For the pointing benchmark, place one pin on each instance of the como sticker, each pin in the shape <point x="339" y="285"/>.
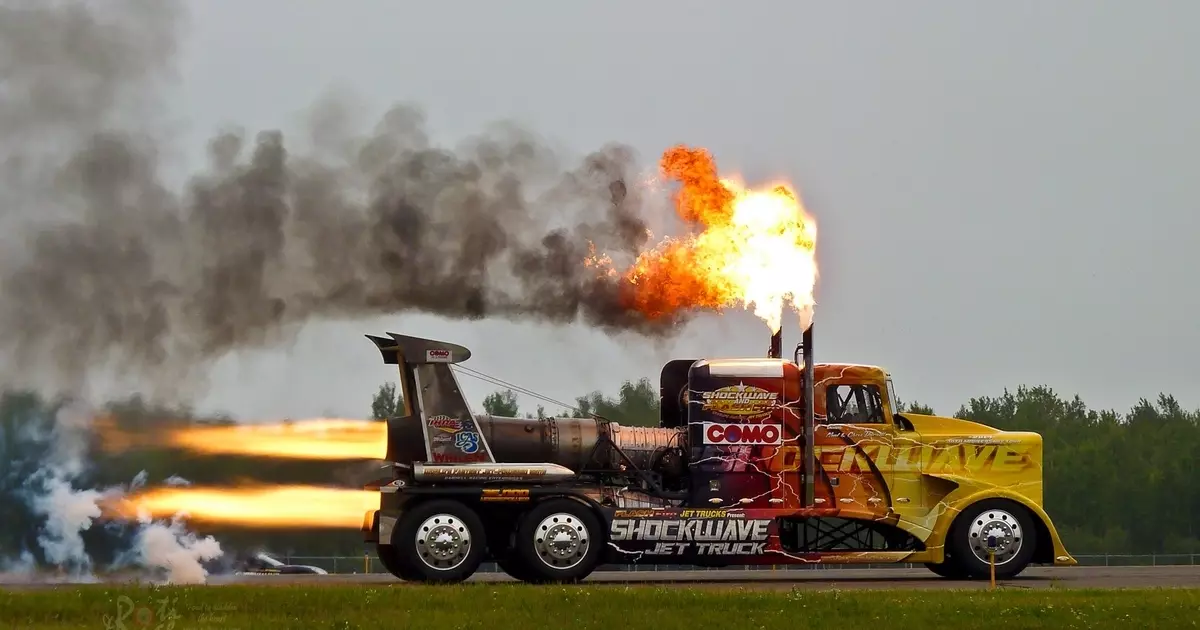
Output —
<point x="439" y="355"/>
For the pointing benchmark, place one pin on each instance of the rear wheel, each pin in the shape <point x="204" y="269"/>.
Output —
<point x="1007" y="524"/>
<point x="559" y="540"/>
<point x="438" y="541"/>
<point x="501" y="535"/>
<point x="389" y="558"/>
<point x="515" y="568"/>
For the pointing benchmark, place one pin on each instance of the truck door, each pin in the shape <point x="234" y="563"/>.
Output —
<point x="854" y="444"/>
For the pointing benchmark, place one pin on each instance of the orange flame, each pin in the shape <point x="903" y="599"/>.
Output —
<point x="749" y="248"/>
<point x="315" y="439"/>
<point x="325" y="439"/>
<point x="287" y="506"/>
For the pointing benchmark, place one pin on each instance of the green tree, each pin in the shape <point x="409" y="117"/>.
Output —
<point x="502" y="403"/>
<point x="387" y="402"/>
<point x="636" y="404"/>
<point x="915" y="408"/>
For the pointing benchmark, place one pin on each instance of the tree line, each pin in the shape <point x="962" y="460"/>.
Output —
<point x="1116" y="482"/>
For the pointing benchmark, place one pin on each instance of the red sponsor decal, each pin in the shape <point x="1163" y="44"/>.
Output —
<point x="743" y="434"/>
<point x="437" y="356"/>
<point x="446" y="423"/>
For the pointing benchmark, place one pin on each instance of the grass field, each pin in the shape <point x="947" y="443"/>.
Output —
<point x="524" y="607"/>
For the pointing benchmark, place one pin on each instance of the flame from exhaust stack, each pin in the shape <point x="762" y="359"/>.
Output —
<point x="748" y="248"/>
<point x="289" y="506"/>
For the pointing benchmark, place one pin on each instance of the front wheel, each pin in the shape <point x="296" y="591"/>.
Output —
<point x="1007" y="525"/>
<point x="559" y="540"/>
<point x="948" y="569"/>
<point x="438" y="541"/>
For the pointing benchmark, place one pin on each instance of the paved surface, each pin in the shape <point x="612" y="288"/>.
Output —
<point x="1035" y="577"/>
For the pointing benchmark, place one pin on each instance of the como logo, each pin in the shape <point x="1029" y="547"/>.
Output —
<point x="743" y="434"/>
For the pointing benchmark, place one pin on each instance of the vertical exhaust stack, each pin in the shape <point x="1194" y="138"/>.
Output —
<point x="810" y="456"/>
<point x="804" y="357"/>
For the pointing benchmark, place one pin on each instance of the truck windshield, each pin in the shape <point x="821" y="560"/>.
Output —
<point x="892" y="400"/>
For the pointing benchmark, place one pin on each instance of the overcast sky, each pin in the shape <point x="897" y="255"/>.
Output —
<point x="1005" y="192"/>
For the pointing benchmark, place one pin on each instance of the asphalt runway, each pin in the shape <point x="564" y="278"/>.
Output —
<point x="820" y="579"/>
<point x="1034" y="577"/>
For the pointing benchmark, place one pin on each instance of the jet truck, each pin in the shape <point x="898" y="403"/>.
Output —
<point x="754" y="461"/>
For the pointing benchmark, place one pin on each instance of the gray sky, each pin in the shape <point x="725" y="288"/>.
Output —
<point x="1003" y="190"/>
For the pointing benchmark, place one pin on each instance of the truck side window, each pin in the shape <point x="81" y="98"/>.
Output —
<point x="854" y="404"/>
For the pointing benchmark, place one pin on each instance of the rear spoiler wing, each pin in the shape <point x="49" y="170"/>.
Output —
<point x="433" y="399"/>
<point x="416" y="351"/>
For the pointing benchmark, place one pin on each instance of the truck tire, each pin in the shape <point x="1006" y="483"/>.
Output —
<point x="439" y="541"/>
<point x="501" y="534"/>
<point x="559" y="540"/>
<point x="1012" y="526"/>
<point x="516" y="569"/>
<point x="391" y="562"/>
<point x="948" y="569"/>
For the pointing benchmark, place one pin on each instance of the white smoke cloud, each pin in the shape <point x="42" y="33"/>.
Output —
<point x="166" y="550"/>
<point x="68" y="513"/>
<point x="170" y="548"/>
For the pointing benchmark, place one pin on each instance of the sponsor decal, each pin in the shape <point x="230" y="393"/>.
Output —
<point x="963" y="459"/>
<point x="743" y="434"/>
<point x="437" y="356"/>
<point x="710" y="514"/>
<point x="466" y="441"/>
<point x="639" y="513"/>
<point x="739" y="401"/>
<point x="982" y="440"/>
<point x="685" y="536"/>
<point x="482" y="473"/>
<point x="505" y="495"/>
<point x="447" y="424"/>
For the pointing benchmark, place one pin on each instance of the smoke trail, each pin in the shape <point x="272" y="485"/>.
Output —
<point x="50" y="504"/>
<point x="274" y="233"/>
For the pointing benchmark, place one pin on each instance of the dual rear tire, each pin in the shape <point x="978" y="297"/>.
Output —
<point x="559" y="540"/>
<point x="439" y="541"/>
<point x="444" y="541"/>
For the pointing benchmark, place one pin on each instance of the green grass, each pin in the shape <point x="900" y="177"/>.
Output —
<point x="524" y="607"/>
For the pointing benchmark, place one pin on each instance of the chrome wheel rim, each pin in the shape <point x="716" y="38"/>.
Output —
<point x="1004" y="530"/>
<point x="443" y="542"/>
<point x="561" y="540"/>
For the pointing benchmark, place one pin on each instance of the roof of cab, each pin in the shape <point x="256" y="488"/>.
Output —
<point x="766" y="367"/>
<point x="859" y="366"/>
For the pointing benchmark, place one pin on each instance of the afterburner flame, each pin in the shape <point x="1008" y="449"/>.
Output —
<point x="259" y="506"/>
<point x="325" y="439"/>
<point x="316" y="439"/>
<point x="748" y="248"/>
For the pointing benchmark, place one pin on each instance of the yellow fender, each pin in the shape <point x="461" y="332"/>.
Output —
<point x="942" y="527"/>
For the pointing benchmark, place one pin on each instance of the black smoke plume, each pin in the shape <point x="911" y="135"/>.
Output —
<point x="109" y="266"/>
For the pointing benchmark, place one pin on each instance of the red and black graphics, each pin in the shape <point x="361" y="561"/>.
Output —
<point x="690" y="536"/>
<point x="741" y="413"/>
